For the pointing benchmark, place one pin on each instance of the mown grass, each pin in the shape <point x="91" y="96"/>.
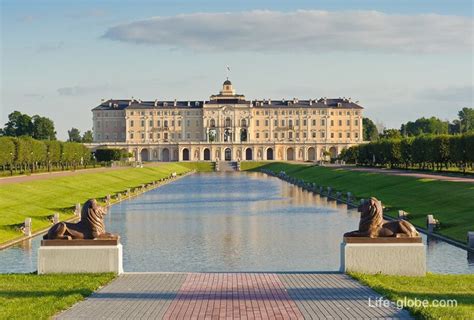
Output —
<point x="450" y="202"/>
<point x="32" y="296"/>
<point x="199" y="166"/>
<point x="42" y="198"/>
<point x="431" y="287"/>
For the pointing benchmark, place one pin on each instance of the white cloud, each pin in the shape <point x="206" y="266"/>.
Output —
<point x="84" y="90"/>
<point x="302" y="30"/>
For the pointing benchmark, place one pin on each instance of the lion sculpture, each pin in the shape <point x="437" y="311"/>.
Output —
<point x="91" y="225"/>
<point x="373" y="225"/>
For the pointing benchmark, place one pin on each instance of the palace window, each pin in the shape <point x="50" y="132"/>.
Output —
<point x="131" y="135"/>
<point x="143" y="113"/>
<point x="356" y="122"/>
<point x="340" y="122"/>
<point x="332" y="123"/>
<point x="172" y="123"/>
<point x="131" y="123"/>
<point x="257" y="123"/>
<point x="158" y="123"/>
<point x="290" y="122"/>
<point x="165" y="135"/>
<point x="150" y="135"/>
<point x="257" y="135"/>
<point x="290" y="135"/>
<point x="179" y="123"/>
<point x="143" y="136"/>
<point x="228" y="122"/>
<point x="266" y="123"/>
<point x="332" y="134"/>
<point x="165" y="123"/>
<point x="213" y="123"/>
<point x="132" y="113"/>
<point x="158" y="135"/>
<point x="243" y="123"/>
<point x="188" y="135"/>
<point x="275" y="123"/>
<point x="304" y="122"/>
<point x="340" y="135"/>
<point x="283" y="123"/>
<point x="297" y="135"/>
<point x="304" y="135"/>
<point x="297" y="122"/>
<point x="323" y="134"/>
<point x="356" y="135"/>
<point x="275" y="135"/>
<point x="266" y="135"/>
<point x="282" y="134"/>
<point x="151" y="123"/>
<point x="314" y="134"/>
<point x="323" y="123"/>
<point x="142" y="123"/>
<point x="188" y="123"/>
<point x="179" y="135"/>
<point x="348" y="122"/>
<point x="348" y="135"/>
<point x="340" y="113"/>
<point x="314" y="122"/>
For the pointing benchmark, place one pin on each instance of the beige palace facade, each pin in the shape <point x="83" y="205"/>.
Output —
<point x="228" y="127"/>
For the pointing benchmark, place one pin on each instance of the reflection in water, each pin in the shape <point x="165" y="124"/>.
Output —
<point x="233" y="222"/>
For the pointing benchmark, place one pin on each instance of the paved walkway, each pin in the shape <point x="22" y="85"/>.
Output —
<point x="232" y="296"/>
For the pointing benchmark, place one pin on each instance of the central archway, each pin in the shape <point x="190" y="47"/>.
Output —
<point x="311" y="154"/>
<point x="144" y="155"/>
<point x="165" y="155"/>
<point x="228" y="154"/>
<point x="248" y="154"/>
<point x="290" y="154"/>
<point x="185" y="154"/>
<point x="269" y="154"/>
<point x="207" y="154"/>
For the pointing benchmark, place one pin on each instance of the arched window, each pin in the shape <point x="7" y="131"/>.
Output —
<point x="228" y="122"/>
<point x="165" y="123"/>
<point x="244" y="122"/>
<point x="212" y="123"/>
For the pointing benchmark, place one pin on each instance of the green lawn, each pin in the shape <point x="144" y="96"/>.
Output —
<point x="32" y="296"/>
<point x="450" y="202"/>
<point x="40" y="199"/>
<point x="431" y="287"/>
<point x="199" y="166"/>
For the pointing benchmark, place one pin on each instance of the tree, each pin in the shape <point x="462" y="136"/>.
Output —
<point x="391" y="134"/>
<point x="370" y="130"/>
<point x="431" y="125"/>
<point x="466" y="120"/>
<point x="74" y="135"/>
<point x="88" y="137"/>
<point x="43" y="128"/>
<point x="18" y="124"/>
<point x="106" y="155"/>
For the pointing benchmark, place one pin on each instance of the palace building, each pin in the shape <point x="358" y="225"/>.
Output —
<point x="228" y="127"/>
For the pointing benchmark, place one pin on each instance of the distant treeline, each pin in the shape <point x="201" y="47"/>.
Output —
<point x="28" y="154"/>
<point x="425" y="152"/>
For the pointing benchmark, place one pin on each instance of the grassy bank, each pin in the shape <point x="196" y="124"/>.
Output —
<point x="199" y="166"/>
<point x="42" y="198"/>
<point x="450" y="202"/>
<point x="31" y="296"/>
<point x="431" y="287"/>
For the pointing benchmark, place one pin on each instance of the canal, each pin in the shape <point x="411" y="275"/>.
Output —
<point x="233" y="222"/>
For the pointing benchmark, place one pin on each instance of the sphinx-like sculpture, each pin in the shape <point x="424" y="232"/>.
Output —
<point x="373" y="225"/>
<point x="91" y="225"/>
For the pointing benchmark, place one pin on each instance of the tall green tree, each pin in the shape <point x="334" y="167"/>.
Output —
<point x="423" y="125"/>
<point x="18" y="124"/>
<point x="391" y="134"/>
<point x="88" y="137"/>
<point x="370" y="132"/>
<point x="466" y="120"/>
<point x="43" y="128"/>
<point x="74" y="135"/>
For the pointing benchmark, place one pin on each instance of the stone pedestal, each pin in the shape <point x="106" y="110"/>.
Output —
<point x="391" y="256"/>
<point x="80" y="256"/>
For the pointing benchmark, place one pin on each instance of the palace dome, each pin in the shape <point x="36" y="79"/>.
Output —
<point x="227" y="82"/>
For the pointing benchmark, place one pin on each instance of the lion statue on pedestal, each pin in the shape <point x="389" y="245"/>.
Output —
<point x="373" y="225"/>
<point x="91" y="225"/>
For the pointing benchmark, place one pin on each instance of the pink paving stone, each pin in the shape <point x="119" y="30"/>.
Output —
<point x="232" y="296"/>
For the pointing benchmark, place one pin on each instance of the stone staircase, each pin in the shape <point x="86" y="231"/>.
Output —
<point x="226" y="166"/>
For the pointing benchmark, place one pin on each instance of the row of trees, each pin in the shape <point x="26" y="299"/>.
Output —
<point x="464" y="124"/>
<point x="28" y="154"/>
<point x="425" y="152"/>
<point x="40" y="128"/>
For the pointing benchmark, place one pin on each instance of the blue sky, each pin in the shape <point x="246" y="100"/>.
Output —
<point x="400" y="59"/>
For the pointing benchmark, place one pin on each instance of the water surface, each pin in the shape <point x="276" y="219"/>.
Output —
<point x="233" y="222"/>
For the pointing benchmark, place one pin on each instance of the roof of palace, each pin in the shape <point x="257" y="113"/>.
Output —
<point x="122" y="104"/>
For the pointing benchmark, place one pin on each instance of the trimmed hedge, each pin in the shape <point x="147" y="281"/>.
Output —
<point x="426" y="151"/>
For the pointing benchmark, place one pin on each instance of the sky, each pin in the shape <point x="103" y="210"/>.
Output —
<point x="401" y="59"/>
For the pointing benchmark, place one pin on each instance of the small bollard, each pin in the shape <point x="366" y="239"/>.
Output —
<point x="108" y="199"/>
<point x="56" y="218"/>
<point x="338" y="196"/>
<point x="77" y="211"/>
<point x="329" y="191"/>
<point x="321" y="189"/>
<point x="128" y="192"/>
<point x="470" y="239"/>
<point x="27" y="227"/>
<point x="173" y="174"/>
<point x="349" y="197"/>
<point x="402" y="215"/>
<point x="431" y="223"/>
